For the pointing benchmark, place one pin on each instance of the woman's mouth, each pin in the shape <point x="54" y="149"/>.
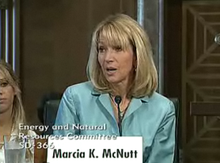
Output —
<point x="2" y="100"/>
<point x="111" y="71"/>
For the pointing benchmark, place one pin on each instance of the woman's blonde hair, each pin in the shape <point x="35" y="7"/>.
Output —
<point x="121" y="30"/>
<point x="18" y="114"/>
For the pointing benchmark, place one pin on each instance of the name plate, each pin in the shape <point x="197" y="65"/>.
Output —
<point x="118" y="150"/>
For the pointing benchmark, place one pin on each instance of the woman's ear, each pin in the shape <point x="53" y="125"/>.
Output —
<point x="135" y="62"/>
<point x="15" y="93"/>
<point x="16" y="90"/>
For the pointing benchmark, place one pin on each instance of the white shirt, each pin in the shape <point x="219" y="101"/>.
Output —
<point x="2" y="155"/>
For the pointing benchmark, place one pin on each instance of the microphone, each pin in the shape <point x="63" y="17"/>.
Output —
<point x="118" y="101"/>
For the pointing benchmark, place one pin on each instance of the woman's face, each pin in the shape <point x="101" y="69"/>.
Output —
<point x="117" y="65"/>
<point x="7" y="94"/>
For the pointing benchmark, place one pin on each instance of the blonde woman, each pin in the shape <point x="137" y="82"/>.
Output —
<point x="121" y="91"/>
<point x="11" y="108"/>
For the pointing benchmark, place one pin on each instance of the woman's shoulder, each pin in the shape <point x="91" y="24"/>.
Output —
<point x="84" y="86"/>
<point x="158" y="97"/>
<point x="161" y="102"/>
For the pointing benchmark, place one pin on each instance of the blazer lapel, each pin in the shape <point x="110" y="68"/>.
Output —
<point x="104" y="100"/>
<point x="106" y="103"/>
<point x="134" y="105"/>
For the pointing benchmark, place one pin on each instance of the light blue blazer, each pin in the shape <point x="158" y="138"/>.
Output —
<point x="153" y="118"/>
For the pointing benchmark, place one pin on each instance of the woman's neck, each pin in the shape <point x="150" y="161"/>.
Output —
<point x="120" y="90"/>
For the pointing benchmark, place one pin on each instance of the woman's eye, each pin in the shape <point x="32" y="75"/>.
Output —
<point x="117" y="48"/>
<point x="3" y="84"/>
<point x="101" y="49"/>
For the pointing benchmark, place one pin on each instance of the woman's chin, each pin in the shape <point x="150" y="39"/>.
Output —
<point x="112" y="80"/>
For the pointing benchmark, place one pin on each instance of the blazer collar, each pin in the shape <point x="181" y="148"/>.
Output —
<point x="97" y="93"/>
<point x="133" y="106"/>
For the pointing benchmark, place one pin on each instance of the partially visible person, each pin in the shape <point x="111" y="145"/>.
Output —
<point x="11" y="108"/>
<point x="121" y="71"/>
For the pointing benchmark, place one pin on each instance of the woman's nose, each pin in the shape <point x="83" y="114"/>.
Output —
<point x="109" y="56"/>
<point x="1" y="90"/>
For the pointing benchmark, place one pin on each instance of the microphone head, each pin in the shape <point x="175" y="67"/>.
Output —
<point x="118" y="99"/>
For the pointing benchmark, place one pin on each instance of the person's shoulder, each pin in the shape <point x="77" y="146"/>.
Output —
<point x="156" y="97"/>
<point x="83" y="87"/>
<point x="161" y="102"/>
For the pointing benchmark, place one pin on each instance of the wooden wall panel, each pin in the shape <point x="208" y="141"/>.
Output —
<point x="200" y="80"/>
